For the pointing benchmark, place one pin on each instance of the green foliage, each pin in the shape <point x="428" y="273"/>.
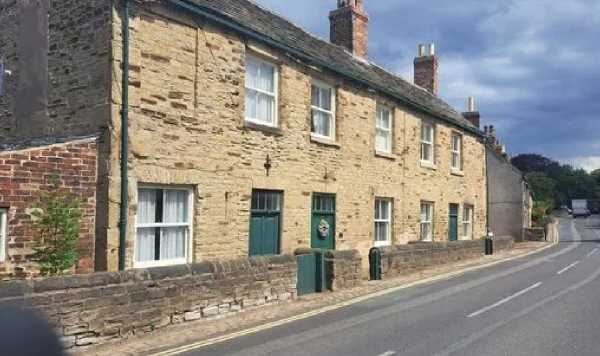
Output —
<point x="555" y="183"/>
<point x="541" y="209"/>
<point x="57" y="219"/>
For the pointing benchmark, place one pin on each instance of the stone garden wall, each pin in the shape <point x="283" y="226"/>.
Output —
<point x="95" y="308"/>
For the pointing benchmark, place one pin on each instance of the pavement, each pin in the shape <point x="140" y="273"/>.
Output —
<point x="364" y="319"/>
<point x="547" y="303"/>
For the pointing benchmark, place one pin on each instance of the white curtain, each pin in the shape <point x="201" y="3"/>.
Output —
<point x="175" y="206"/>
<point x="146" y="215"/>
<point x="260" y="77"/>
<point x="172" y="243"/>
<point x="146" y="206"/>
<point x="145" y="244"/>
<point x="321" y="123"/>
<point x="172" y="239"/>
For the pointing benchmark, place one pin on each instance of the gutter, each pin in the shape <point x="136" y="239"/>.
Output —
<point x="124" y="138"/>
<point x="219" y="18"/>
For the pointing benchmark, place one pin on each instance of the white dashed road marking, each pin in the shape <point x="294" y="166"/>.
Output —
<point x="568" y="267"/>
<point x="505" y="300"/>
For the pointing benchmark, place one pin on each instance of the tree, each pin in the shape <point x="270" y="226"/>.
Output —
<point x="542" y="187"/>
<point x="57" y="219"/>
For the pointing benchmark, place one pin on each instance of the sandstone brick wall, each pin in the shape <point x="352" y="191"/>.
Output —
<point x="78" y="69"/>
<point x="411" y="258"/>
<point x="344" y="269"/>
<point x="187" y="129"/>
<point x="95" y="308"/>
<point x="24" y="173"/>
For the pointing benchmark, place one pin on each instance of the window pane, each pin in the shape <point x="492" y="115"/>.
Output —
<point x="383" y="141"/>
<point x="145" y="244"/>
<point x="455" y="160"/>
<point x="3" y="233"/>
<point x="266" y="78"/>
<point x="427" y="133"/>
<point x="175" y="206"/>
<point x="325" y="94"/>
<point x="385" y="210"/>
<point x="264" y="108"/>
<point x="146" y="206"/>
<point x="172" y="243"/>
<point x="321" y="123"/>
<point x="251" y="72"/>
<point x="426" y="152"/>
<point x="251" y="102"/>
<point x="315" y="96"/>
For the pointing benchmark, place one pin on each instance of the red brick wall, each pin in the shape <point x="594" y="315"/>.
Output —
<point x="24" y="173"/>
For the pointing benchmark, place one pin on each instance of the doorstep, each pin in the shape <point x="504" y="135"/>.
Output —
<point x="253" y="320"/>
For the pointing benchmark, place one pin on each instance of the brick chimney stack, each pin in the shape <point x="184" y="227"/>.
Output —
<point x="349" y="27"/>
<point x="472" y="115"/>
<point x="426" y="69"/>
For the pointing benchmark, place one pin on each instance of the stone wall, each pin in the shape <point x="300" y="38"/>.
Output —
<point x="187" y="129"/>
<point x="344" y="269"/>
<point x="24" y="174"/>
<point x="95" y="308"/>
<point x="503" y="243"/>
<point x="75" y="60"/>
<point x="534" y="234"/>
<point x="411" y="258"/>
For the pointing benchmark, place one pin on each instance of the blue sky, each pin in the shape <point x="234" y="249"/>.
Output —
<point x="533" y="65"/>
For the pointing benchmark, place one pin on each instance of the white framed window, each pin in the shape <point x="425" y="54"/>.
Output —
<point x="383" y="222"/>
<point x="383" y="129"/>
<point x="323" y="110"/>
<point x="163" y="226"/>
<point x="3" y="233"/>
<point x="467" y="222"/>
<point x="261" y="91"/>
<point x="427" y="140"/>
<point x="456" y="152"/>
<point x="426" y="221"/>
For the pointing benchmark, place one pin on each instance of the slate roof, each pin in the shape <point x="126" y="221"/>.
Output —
<point x="274" y="28"/>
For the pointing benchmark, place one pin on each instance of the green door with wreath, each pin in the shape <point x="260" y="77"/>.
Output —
<point x="322" y="233"/>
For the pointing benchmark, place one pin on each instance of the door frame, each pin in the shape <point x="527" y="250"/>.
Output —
<point x="332" y="213"/>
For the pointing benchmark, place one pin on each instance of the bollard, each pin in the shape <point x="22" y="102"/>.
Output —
<point x="489" y="244"/>
<point x="375" y="264"/>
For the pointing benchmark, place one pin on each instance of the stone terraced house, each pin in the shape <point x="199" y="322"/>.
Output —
<point x="246" y="134"/>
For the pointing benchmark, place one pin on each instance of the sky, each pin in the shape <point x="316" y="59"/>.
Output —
<point x="533" y="65"/>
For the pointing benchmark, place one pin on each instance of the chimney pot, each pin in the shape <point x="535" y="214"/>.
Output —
<point x="471" y="104"/>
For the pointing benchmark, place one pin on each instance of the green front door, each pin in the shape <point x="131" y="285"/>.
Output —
<point x="453" y="223"/>
<point x="322" y="233"/>
<point x="265" y="223"/>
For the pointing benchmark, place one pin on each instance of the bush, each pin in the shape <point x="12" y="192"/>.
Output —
<point x="541" y="210"/>
<point x="57" y="218"/>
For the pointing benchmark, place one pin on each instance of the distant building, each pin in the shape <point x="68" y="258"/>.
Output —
<point x="510" y="202"/>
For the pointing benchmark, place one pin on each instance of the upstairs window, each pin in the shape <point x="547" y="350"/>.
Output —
<point x="427" y="139"/>
<point x="426" y="221"/>
<point x="3" y="233"/>
<point x="383" y="222"/>
<point x="383" y="129"/>
<point x="261" y="91"/>
<point x="468" y="222"/>
<point x="456" y="152"/>
<point x="163" y="226"/>
<point x="323" y="110"/>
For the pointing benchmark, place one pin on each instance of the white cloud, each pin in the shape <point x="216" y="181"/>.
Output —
<point x="588" y="163"/>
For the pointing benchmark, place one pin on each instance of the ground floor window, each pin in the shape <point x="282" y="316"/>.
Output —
<point x="3" y="233"/>
<point x="163" y="226"/>
<point x="383" y="222"/>
<point x="265" y="222"/>
<point x="426" y="221"/>
<point x="467" y="222"/>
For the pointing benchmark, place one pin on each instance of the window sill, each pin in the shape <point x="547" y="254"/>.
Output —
<point x="251" y="125"/>
<point x="153" y="264"/>
<point x="324" y="141"/>
<point x="386" y="155"/>
<point x="428" y="165"/>
<point x="454" y="172"/>
<point x="382" y="244"/>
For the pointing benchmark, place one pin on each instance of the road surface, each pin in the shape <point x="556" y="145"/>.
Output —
<point x="544" y="304"/>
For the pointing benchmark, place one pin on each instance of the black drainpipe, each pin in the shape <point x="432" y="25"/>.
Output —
<point x="124" y="138"/>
